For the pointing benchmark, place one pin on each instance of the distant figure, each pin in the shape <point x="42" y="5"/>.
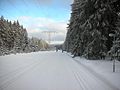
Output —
<point x="62" y="50"/>
<point x="59" y="47"/>
<point x="56" y="48"/>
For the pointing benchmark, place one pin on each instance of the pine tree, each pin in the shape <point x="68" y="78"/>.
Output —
<point x="17" y="23"/>
<point x="2" y="18"/>
<point x="10" y="23"/>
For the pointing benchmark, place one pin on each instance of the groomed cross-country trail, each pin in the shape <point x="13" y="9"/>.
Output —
<point x="48" y="70"/>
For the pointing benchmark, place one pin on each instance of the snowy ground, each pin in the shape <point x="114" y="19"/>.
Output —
<point x="103" y="69"/>
<point x="56" y="71"/>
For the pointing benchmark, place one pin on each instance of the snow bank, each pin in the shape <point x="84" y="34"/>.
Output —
<point x="103" y="68"/>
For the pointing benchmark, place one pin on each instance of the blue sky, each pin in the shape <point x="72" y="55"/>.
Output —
<point x="57" y="9"/>
<point x="38" y="15"/>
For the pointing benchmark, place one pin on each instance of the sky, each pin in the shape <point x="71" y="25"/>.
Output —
<point x="39" y="16"/>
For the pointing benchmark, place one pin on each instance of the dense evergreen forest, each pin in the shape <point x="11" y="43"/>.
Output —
<point x="94" y="29"/>
<point x="14" y="39"/>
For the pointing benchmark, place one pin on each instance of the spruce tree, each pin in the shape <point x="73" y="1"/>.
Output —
<point x="90" y="24"/>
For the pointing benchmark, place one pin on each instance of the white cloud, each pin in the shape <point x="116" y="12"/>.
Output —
<point x="36" y="25"/>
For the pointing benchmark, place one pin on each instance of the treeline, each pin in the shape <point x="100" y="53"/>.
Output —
<point x="94" y="29"/>
<point x="36" y="44"/>
<point x="14" y="39"/>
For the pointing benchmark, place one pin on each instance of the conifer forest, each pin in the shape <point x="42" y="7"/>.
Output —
<point x="59" y="44"/>
<point x="94" y="29"/>
<point x="14" y="39"/>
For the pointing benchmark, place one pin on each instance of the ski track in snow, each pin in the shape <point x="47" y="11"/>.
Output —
<point x="88" y="69"/>
<point x="48" y="71"/>
<point x="12" y="76"/>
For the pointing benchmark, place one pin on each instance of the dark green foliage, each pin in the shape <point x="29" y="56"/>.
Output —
<point x="14" y="39"/>
<point x="90" y="25"/>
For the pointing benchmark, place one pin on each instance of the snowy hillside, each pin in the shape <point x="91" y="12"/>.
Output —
<point x="56" y="71"/>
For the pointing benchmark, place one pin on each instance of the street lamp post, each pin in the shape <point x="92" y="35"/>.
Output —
<point x="87" y="53"/>
<point x="113" y="35"/>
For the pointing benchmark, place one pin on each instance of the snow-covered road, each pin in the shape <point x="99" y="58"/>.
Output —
<point x="47" y="71"/>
